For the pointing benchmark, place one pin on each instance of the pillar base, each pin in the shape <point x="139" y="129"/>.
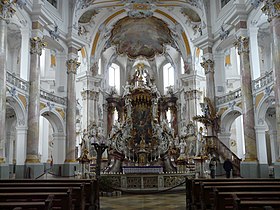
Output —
<point x="264" y="170"/>
<point x="20" y="171"/>
<point x="4" y="171"/>
<point x="249" y="169"/>
<point x="70" y="168"/>
<point x="33" y="170"/>
<point x="277" y="170"/>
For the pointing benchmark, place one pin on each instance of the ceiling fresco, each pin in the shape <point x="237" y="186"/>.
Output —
<point x="140" y="37"/>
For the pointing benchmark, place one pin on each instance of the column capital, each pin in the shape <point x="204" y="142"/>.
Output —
<point x="36" y="45"/>
<point x="89" y="94"/>
<point x="6" y="10"/>
<point x="208" y="65"/>
<point x="72" y="65"/>
<point x="242" y="44"/>
<point x="271" y="8"/>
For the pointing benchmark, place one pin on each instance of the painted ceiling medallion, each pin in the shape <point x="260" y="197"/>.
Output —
<point x="140" y="8"/>
<point x="140" y="37"/>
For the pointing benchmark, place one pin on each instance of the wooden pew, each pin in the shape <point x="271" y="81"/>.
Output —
<point x="240" y="204"/>
<point x="77" y="192"/>
<point x="193" y="190"/>
<point x="89" y="189"/>
<point x="39" y="205"/>
<point x="224" y="200"/>
<point x="62" y="200"/>
<point x="207" y="200"/>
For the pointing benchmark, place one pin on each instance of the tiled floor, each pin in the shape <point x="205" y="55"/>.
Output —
<point x="175" y="201"/>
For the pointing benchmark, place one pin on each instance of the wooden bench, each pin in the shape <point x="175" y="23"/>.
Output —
<point x="61" y="200"/>
<point x="77" y="195"/>
<point x="207" y="198"/>
<point x="241" y="204"/>
<point x="39" y="205"/>
<point x="89" y="190"/>
<point x="224" y="200"/>
<point x="193" y="186"/>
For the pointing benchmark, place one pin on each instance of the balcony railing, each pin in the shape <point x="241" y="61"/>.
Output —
<point x="23" y="85"/>
<point x="263" y="81"/>
<point x="17" y="82"/>
<point x="51" y="97"/>
<point x="229" y="97"/>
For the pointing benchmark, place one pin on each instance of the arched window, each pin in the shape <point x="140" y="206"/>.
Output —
<point x="114" y="77"/>
<point x="168" y="76"/>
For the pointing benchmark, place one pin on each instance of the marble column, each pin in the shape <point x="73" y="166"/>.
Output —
<point x="242" y="44"/>
<point x="3" y="70"/>
<point x="272" y="10"/>
<point x="208" y="66"/>
<point x="36" y="46"/>
<point x="72" y="66"/>
<point x="88" y="111"/>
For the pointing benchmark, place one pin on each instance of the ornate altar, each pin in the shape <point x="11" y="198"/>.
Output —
<point x="142" y="136"/>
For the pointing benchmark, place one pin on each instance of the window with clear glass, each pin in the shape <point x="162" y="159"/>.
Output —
<point x="53" y="2"/>
<point x="168" y="76"/>
<point x="224" y="2"/>
<point x="182" y="66"/>
<point x="114" y="77"/>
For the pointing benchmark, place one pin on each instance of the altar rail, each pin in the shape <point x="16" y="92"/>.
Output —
<point x="142" y="169"/>
<point x="146" y="182"/>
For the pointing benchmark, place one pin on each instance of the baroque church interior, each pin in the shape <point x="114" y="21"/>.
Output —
<point x="139" y="87"/>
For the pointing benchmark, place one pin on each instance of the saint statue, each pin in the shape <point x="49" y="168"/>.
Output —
<point x="199" y="142"/>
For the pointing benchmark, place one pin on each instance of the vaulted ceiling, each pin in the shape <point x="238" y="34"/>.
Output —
<point x="142" y="28"/>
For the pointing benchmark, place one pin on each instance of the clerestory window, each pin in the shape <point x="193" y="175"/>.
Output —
<point x="168" y="76"/>
<point x="114" y="76"/>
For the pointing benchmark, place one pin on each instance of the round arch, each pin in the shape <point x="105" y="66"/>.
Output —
<point x="16" y="104"/>
<point x="55" y="120"/>
<point x="228" y="118"/>
<point x="262" y="108"/>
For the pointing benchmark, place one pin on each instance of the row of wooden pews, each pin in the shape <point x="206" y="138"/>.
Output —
<point x="50" y="194"/>
<point x="219" y="194"/>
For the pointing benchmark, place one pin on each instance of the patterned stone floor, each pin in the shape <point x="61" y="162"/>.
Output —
<point x="175" y="201"/>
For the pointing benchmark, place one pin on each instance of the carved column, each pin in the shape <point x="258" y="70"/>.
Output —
<point x="3" y="70"/>
<point x="72" y="65"/>
<point x="242" y="44"/>
<point x="272" y="10"/>
<point x="36" y="46"/>
<point x="208" y="66"/>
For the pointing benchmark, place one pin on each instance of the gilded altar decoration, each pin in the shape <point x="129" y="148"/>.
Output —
<point x="210" y="117"/>
<point x="140" y="137"/>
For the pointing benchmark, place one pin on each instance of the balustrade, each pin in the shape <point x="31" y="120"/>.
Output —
<point x="236" y="94"/>
<point x="17" y="82"/>
<point x="263" y="81"/>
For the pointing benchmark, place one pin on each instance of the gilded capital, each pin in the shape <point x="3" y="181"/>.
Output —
<point x="242" y="45"/>
<point x="72" y="66"/>
<point x="6" y="9"/>
<point x="36" y="45"/>
<point x="208" y="66"/>
<point x="271" y="8"/>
